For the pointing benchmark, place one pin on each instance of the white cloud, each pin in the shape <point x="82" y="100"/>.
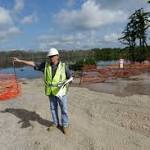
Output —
<point x="13" y="31"/>
<point x="30" y="19"/>
<point x="7" y="27"/>
<point x="5" y="18"/>
<point x="77" y="40"/>
<point x="7" y="34"/>
<point x="47" y="41"/>
<point x="90" y="16"/>
<point x="19" y="5"/>
<point x="113" y="37"/>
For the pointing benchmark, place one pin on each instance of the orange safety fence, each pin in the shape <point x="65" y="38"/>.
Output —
<point x="91" y="74"/>
<point x="9" y="88"/>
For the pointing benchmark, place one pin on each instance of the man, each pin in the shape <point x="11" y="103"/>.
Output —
<point x="55" y="74"/>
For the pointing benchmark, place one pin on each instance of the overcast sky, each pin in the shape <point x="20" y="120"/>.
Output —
<point x="64" y="24"/>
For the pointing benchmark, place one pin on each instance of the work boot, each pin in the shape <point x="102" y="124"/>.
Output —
<point x="65" y="130"/>
<point x="51" y="127"/>
<point x="59" y="126"/>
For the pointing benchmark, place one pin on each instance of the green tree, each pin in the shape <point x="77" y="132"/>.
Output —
<point x="135" y="34"/>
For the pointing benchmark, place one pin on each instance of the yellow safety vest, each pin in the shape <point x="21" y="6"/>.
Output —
<point x="51" y="84"/>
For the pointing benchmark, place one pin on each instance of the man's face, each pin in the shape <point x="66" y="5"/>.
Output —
<point x="54" y="59"/>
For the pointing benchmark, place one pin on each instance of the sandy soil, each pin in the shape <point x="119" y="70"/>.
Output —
<point x="139" y="84"/>
<point x="98" y="121"/>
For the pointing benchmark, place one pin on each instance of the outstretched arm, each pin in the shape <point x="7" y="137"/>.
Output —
<point x="30" y="63"/>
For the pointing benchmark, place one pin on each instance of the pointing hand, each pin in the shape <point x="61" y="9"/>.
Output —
<point x="15" y="59"/>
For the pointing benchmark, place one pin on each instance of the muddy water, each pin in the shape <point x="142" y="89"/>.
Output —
<point x="124" y="87"/>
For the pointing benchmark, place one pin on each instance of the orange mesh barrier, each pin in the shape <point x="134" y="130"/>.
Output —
<point x="111" y="72"/>
<point x="9" y="88"/>
<point x="89" y="68"/>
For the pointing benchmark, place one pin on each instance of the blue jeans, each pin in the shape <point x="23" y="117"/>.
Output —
<point x="54" y="102"/>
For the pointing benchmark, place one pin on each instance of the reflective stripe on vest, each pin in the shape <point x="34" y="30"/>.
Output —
<point x="51" y="84"/>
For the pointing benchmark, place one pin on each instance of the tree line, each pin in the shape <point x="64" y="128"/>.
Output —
<point x="74" y="56"/>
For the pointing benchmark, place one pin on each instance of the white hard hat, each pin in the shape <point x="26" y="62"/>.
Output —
<point x="52" y="52"/>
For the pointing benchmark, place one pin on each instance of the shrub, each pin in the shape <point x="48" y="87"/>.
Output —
<point x="80" y="63"/>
